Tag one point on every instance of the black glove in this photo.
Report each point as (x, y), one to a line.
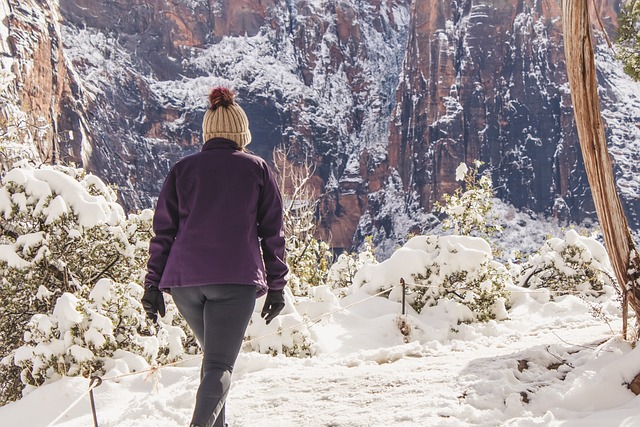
(273, 305)
(153, 303)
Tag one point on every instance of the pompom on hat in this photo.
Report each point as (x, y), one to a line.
(225, 119)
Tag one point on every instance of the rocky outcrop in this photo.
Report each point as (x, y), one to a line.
(318, 79)
(487, 81)
(385, 97)
(43, 91)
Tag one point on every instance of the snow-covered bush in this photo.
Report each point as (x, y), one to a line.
(469, 208)
(61, 231)
(64, 230)
(628, 40)
(308, 262)
(457, 269)
(573, 265)
(287, 334)
(343, 271)
(82, 335)
(67, 229)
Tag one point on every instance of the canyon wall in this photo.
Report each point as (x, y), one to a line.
(384, 97)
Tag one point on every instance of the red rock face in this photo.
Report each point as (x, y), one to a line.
(239, 17)
(42, 86)
(386, 96)
(486, 81)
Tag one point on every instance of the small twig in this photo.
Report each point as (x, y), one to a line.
(606, 36)
(579, 345)
(564, 361)
(107, 268)
(535, 272)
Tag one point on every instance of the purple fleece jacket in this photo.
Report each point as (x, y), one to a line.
(215, 212)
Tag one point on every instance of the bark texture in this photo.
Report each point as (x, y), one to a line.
(581, 71)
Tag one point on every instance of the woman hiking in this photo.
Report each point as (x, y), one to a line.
(218, 245)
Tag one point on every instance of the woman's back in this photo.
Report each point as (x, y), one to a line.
(219, 192)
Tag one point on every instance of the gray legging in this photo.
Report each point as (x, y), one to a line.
(218, 316)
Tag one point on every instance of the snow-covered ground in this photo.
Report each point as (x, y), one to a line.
(550, 363)
(554, 355)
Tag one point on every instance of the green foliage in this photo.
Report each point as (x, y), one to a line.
(628, 41)
(573, 265)
(308, 259)
(468, 209)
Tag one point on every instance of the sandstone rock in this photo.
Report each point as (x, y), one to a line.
(43, 87)
(386, 96)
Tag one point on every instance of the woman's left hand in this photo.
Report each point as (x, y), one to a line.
(273, 305)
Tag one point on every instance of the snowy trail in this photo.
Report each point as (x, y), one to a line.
(421, 387)
(408, 392)
(373, 379)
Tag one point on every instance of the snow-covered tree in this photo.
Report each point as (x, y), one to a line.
(61, 232)
(468, 209)
(308, 258)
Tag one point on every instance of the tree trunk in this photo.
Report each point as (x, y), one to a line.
(581, 70)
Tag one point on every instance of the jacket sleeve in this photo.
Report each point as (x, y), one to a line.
(271, 231)
(165, 228)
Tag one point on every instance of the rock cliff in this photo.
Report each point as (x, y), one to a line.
(318, 77)
(41, 99)
(385, 97)
(487, 81)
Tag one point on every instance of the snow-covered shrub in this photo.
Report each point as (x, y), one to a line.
(64, 230)
(308, 262)
(287, 334)
(343, 271)
(469, 208)
(573, 265)
(459, 269)
(319, 305)
(66, 226)
(61, 230)
(628, 40)
(81, 335)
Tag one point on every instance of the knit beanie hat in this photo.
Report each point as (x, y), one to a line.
(225, 119)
